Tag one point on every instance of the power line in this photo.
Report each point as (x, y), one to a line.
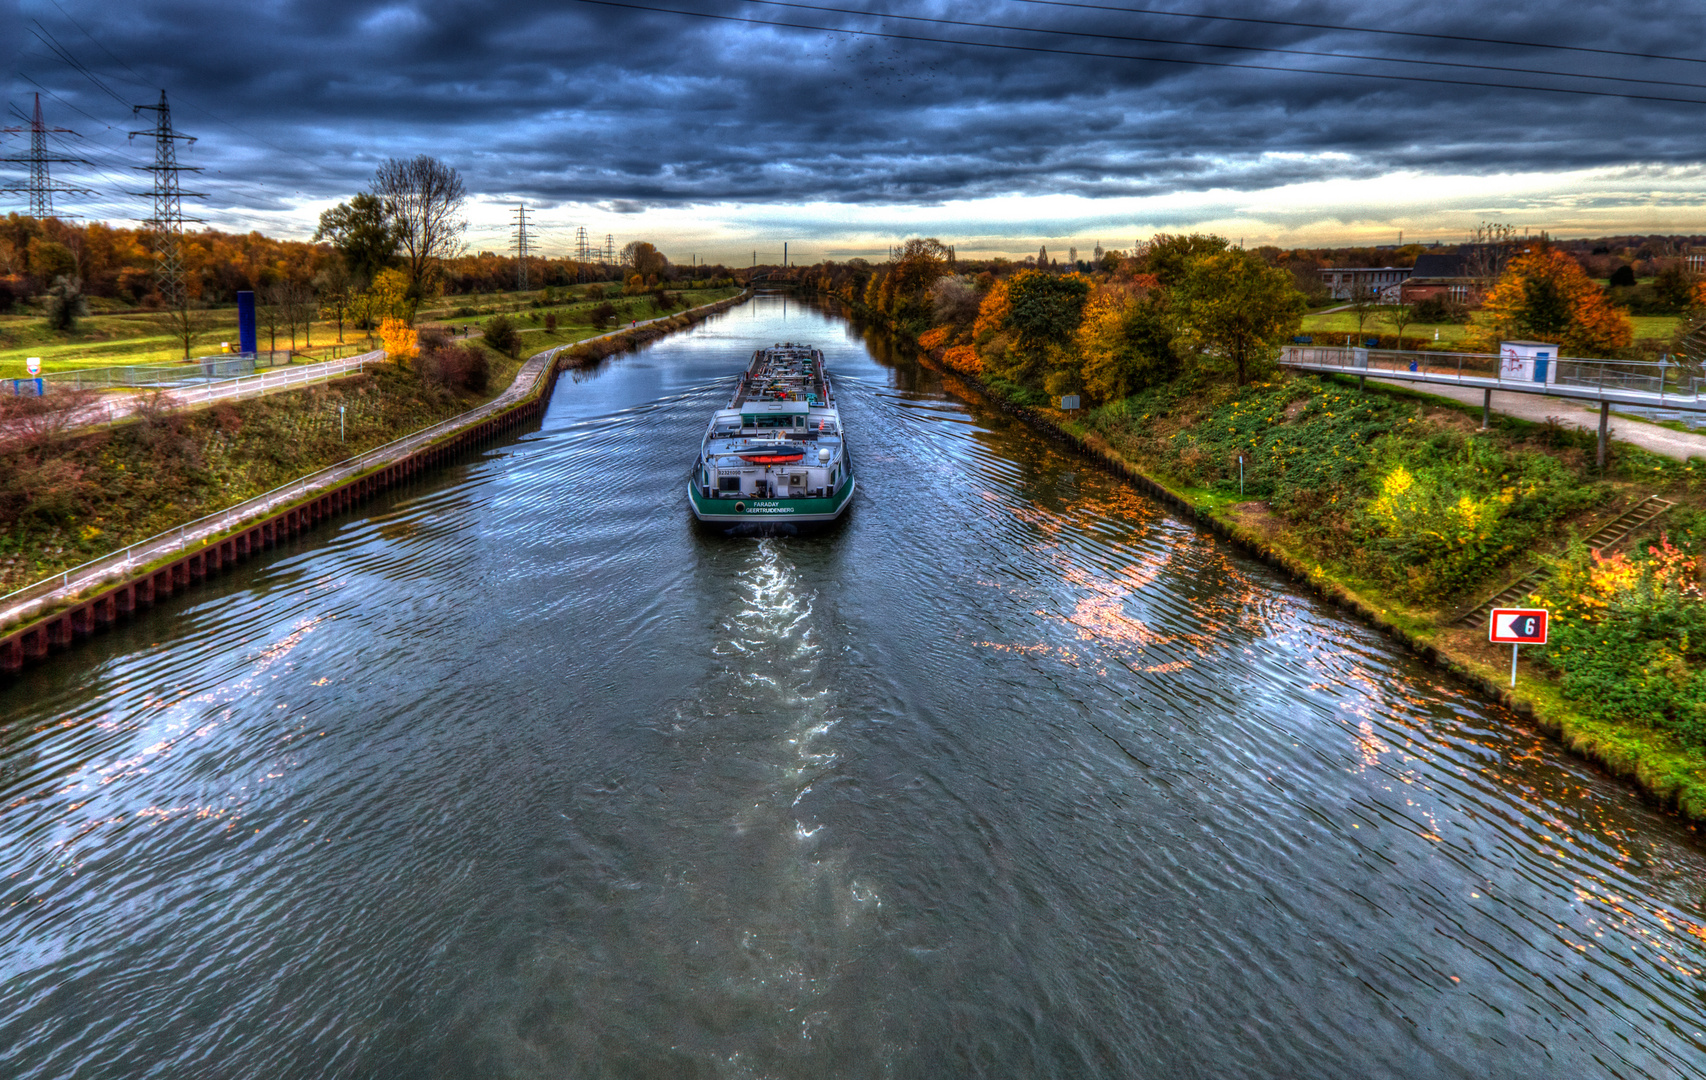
(1363, 30)
(1008, 47)
(1221, 45)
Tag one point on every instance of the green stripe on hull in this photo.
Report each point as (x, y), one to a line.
(770, 509)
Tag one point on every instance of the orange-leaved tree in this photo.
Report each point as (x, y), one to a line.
(1545, 294)
(401, 342)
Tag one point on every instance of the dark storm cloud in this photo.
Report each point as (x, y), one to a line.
(568, 101)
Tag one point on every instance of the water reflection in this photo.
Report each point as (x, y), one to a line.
(520, 775)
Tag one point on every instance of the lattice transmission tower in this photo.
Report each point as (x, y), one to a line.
(609, 249)
(167, 224)
(583, 251)
(41, 187)
(522, 245)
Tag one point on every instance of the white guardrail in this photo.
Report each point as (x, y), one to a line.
(1633, 382)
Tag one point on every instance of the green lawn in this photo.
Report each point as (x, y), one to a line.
(1450, 334)
(113, 338)
(1345, 322)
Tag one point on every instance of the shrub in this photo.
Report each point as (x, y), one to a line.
(1443, 308)
(456, 367)
(551, 321)
(1628, 637)
(602, 315)
(65, 304)
(501, 335)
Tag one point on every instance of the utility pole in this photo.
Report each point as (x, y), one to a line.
(41, 187)
(610, 249)
(522, 244)
(167, 224)
(784, 254)
(583, 253)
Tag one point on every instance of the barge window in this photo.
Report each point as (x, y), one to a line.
(728, 483)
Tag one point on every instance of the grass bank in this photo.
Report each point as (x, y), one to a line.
(70, 496)
(1398, 507)
(67, 497)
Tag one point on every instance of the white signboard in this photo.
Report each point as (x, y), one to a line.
(34, 364)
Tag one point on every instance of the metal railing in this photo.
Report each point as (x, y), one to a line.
(223, 520)
(186, 373)
(1668, 384)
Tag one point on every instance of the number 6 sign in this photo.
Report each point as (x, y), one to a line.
(1517, 627)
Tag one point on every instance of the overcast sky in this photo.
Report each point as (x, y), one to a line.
(715, 136)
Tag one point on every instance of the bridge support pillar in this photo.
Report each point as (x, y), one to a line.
(1604, 419)
(1360, 380)
(1486, 408)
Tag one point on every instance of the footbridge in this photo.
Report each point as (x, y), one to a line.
(1621, 383)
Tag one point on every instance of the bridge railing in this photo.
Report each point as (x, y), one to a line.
(1664, 381)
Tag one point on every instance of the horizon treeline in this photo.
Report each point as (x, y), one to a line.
(117, 263)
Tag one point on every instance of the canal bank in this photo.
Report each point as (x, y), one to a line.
(1665, 771)
(516, 773)
(55, 614)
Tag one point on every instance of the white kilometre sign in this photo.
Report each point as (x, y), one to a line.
(1517, 627)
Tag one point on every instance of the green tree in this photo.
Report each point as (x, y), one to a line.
(363, 233)
(501, 335)
(65, 303)
(1170, 257)
(1043, 313)
(1236, 309)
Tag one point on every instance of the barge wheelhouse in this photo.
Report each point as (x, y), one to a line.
(777, 450)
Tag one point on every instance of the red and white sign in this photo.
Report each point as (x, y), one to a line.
(1518, 626)
(34, 366)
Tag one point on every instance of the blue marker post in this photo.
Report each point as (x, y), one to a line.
(247, 339)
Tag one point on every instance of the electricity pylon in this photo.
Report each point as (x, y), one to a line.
(41, 187)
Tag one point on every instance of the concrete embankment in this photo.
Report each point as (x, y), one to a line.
(55, 614)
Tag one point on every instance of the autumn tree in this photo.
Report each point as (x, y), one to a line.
(920, 262)
(645, 259)
(1235, 308)
(424, 198)
(334, 286)
(1490, 249)
(65, 304)
(1545, 294)
(1126, 339)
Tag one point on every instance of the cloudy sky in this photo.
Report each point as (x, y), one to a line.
(716, 127)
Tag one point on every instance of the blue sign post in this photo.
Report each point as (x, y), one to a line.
(247, 340)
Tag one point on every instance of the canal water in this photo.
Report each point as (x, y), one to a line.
(517, 774)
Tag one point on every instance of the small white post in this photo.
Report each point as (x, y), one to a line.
(1514, 648)
(1240, 476)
